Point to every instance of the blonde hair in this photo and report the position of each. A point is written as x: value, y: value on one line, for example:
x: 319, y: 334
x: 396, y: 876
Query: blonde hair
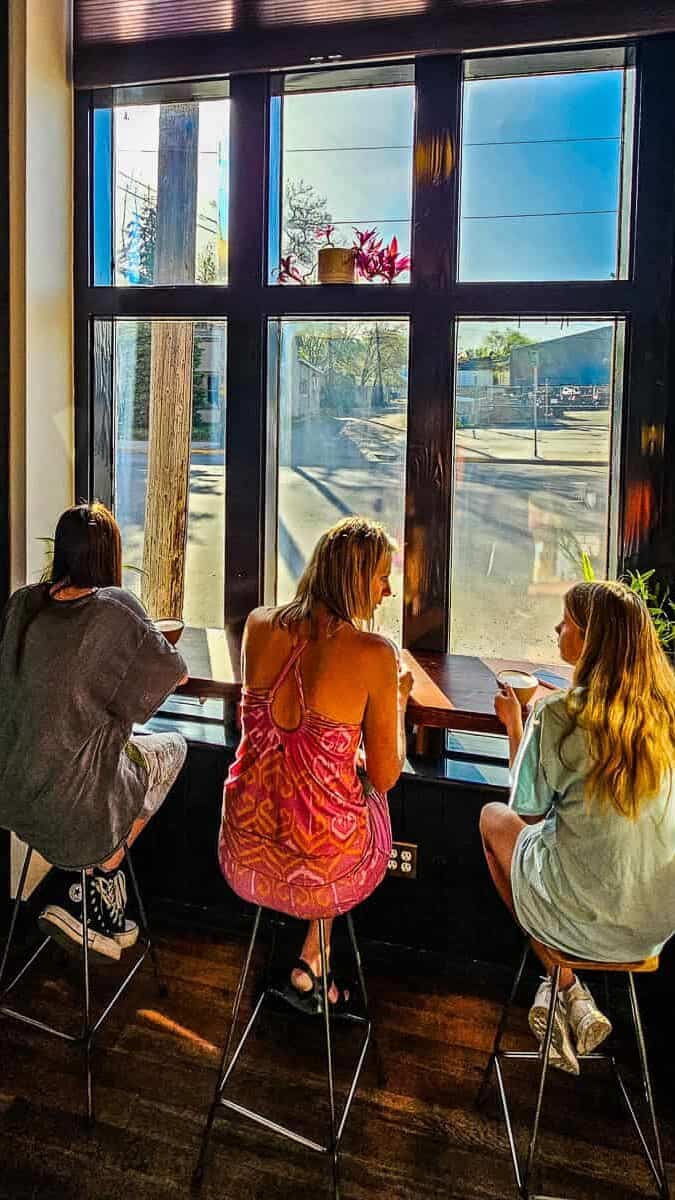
x: 340, y: 573
x: 623, y: 696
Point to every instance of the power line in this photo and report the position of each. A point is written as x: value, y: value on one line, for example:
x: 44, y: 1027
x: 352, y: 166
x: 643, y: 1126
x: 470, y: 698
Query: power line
x: 542, y: 141
x: 581, y: 212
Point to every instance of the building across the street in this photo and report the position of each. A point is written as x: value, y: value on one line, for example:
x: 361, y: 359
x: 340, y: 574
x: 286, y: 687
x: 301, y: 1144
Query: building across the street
x: 579, y: 359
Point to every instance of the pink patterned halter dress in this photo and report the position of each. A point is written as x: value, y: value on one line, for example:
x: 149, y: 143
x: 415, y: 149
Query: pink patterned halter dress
x: 298, y: 834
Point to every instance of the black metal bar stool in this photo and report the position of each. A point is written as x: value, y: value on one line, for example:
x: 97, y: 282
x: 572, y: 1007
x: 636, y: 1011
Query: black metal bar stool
x: 90, y: 1027
x: 555, y: 961
x: 337, y: 1121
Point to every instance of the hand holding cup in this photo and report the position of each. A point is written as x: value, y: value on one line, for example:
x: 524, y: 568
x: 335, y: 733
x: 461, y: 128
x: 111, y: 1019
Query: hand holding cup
x: 516, y: 689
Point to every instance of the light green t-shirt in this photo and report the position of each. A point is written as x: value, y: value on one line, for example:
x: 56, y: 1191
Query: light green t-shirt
x: 587, y: 880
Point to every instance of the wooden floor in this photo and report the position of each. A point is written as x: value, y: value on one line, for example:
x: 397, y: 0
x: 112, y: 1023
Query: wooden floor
x: 418, y: 1137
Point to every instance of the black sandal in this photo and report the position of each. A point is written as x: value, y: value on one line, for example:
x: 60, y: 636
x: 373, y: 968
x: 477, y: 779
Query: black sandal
x: 311, y: 1002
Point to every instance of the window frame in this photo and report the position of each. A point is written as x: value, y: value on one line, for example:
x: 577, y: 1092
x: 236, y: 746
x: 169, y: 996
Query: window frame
x: 433, y: 301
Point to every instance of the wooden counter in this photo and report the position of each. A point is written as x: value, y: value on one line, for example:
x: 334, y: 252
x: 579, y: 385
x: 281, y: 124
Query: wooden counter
x: 450, y: 691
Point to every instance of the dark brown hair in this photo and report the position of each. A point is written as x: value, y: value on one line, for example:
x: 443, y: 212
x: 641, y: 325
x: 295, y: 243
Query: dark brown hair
x: 87, y: 547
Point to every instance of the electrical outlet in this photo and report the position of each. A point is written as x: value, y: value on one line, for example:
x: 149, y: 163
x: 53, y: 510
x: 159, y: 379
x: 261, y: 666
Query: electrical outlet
x: 403, y: 860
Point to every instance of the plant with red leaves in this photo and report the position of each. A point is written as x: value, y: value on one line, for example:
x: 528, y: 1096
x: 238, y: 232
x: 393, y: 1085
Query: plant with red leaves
x: 367, y: 246
x: 378, y: 262
x: 289, y: 271
x: 326, y: 231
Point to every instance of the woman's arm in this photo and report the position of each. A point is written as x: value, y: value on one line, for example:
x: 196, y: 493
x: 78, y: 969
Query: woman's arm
x: 384, y: 718
x: 507, y: 708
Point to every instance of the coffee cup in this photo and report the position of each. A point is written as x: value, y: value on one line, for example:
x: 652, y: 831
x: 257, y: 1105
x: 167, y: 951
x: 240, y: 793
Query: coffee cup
x: 171, y: 627
x: 523, y: 684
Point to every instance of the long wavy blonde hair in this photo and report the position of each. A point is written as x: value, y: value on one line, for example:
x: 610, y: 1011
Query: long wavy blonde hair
x: 623, y: 696
x: 340, y: 572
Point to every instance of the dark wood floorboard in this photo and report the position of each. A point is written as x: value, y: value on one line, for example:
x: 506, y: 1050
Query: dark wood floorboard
x: 419, y: 1137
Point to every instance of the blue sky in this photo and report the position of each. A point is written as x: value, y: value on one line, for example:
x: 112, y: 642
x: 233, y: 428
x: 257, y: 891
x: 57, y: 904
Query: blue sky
x: 533, y: 147
x: 540, y: 169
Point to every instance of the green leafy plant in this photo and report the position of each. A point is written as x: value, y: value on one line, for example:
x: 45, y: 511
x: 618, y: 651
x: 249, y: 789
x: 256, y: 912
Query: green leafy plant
x: 655, y: 595
x: 657, y: 598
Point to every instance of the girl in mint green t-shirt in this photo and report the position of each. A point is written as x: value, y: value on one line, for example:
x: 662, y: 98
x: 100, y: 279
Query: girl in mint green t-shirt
x: 584, y: 855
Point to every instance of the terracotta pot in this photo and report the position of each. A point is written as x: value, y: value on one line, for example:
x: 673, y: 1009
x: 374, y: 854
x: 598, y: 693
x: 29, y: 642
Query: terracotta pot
x: 336, y: 264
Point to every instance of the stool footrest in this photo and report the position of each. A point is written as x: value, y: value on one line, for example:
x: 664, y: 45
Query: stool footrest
x: 6, y: 1011
x: 274, y: 1126
x: 266, y: 1121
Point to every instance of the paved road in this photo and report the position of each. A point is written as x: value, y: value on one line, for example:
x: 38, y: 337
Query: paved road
x: 515, y: 526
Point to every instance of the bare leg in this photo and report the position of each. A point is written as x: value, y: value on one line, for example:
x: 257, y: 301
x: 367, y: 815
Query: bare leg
x: 138, y: 826
x: 499, y: 829
x: 311, y: 953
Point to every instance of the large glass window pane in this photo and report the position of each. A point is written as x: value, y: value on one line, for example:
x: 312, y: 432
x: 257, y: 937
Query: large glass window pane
x: 545, y: 181
x: 170, y: 188
x: 164, y: 366
x: 341, y: 156
x: 342, y: 401
x: 535, y: 427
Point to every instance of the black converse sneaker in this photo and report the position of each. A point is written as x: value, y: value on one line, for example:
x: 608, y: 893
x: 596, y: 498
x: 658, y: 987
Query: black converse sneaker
x: 108, y: 930
x: 108, y: 894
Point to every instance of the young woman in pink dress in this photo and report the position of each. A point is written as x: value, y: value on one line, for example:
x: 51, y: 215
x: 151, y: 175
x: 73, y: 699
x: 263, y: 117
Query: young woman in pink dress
x: 305, y: 827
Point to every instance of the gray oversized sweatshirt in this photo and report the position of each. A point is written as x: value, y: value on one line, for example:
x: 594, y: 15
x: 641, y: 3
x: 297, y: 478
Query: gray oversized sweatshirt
x: 74, y: 676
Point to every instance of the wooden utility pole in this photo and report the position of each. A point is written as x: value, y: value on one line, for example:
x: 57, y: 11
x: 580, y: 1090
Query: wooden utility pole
x: 170, y: 416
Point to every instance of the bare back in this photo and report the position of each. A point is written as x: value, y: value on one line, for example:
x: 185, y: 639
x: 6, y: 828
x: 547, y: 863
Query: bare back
x: 347, y: 676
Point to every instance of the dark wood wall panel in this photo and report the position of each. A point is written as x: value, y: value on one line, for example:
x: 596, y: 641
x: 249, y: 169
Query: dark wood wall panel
x: 4, y: 302
x: 4, y: 362
x: 649, y: 451
x: 429, y: 447
x: 246, y: 374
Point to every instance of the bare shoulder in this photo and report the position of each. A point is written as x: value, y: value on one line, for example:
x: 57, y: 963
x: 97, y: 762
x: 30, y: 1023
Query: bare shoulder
x: 260, y: 619
x: 263, y: 615
x: 377, y: 651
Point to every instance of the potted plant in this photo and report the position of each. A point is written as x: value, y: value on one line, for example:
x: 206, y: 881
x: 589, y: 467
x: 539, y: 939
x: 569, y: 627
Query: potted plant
x: 336, y: 264
x: 367, y: 258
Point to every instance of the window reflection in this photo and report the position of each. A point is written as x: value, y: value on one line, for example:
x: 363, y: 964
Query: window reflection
x: 342, y: 388
x: 143, y: 359
x: 534, y: 426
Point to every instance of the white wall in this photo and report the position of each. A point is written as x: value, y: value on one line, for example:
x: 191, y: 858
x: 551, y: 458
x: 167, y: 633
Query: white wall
x: 41, y: 280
